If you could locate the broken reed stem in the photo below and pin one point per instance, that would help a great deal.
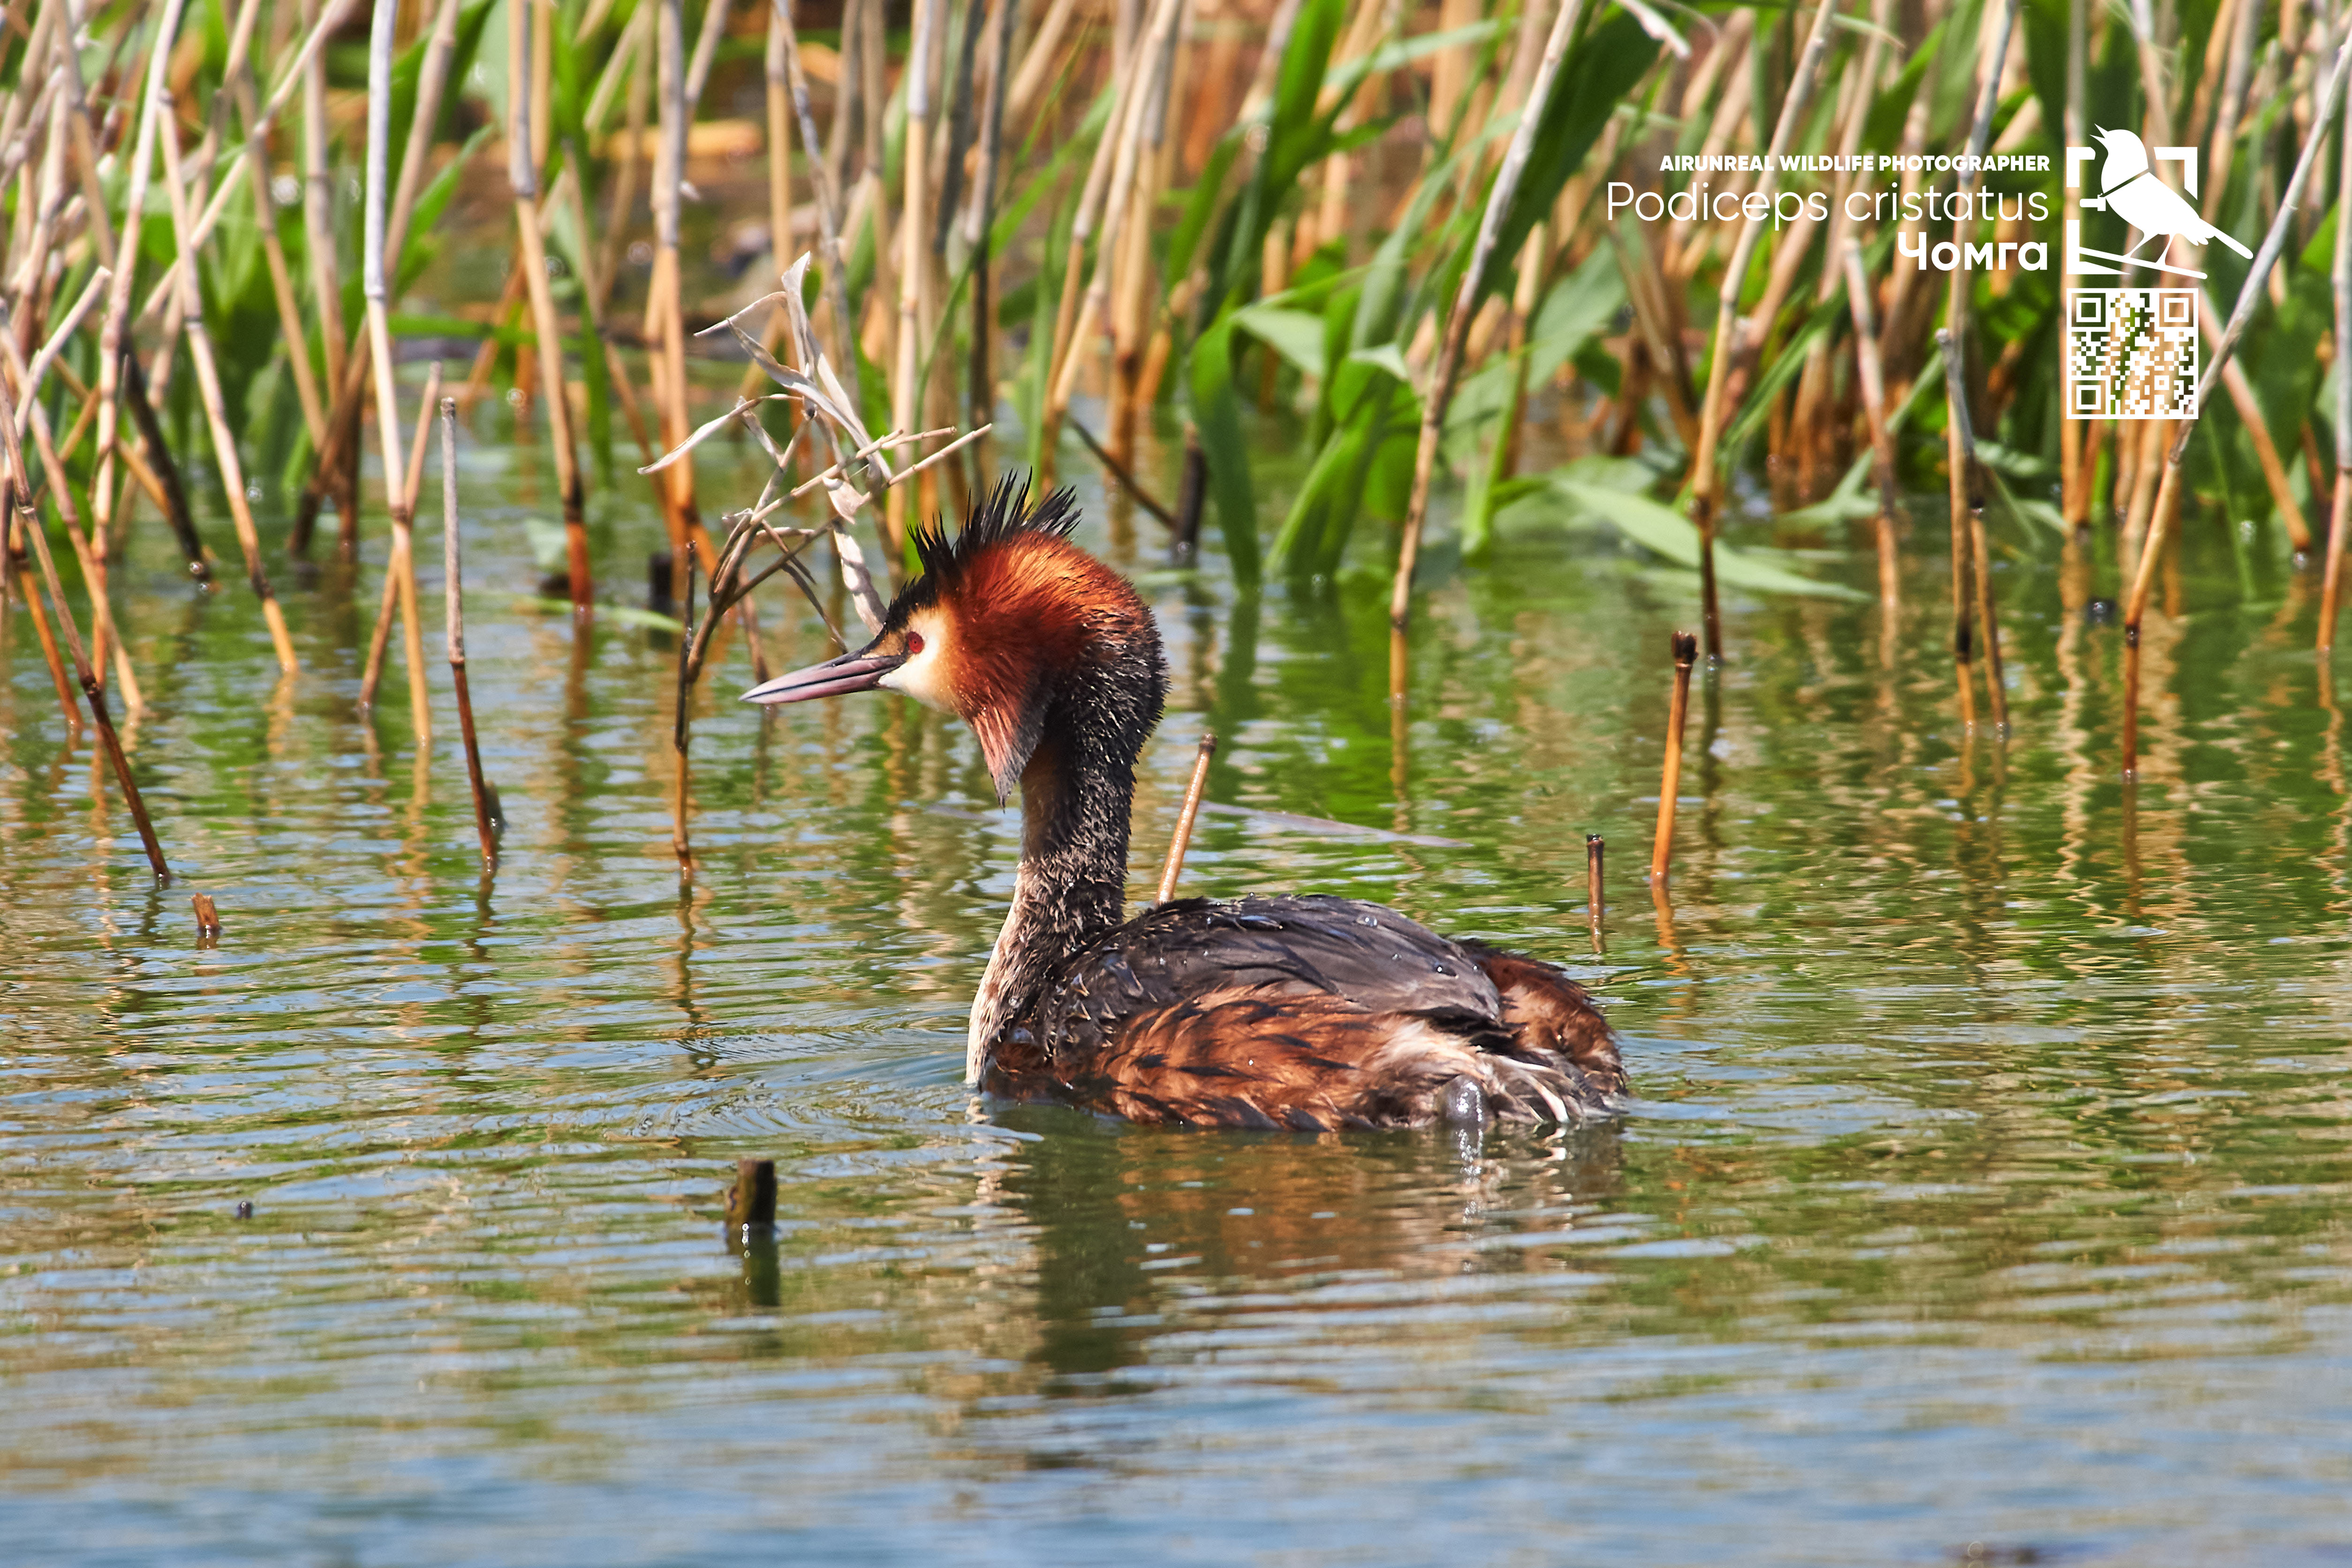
(1882, 437)
(165, 470)
(1661, 847)
(1969, 536)
(208, 388)
(453, 590)
(2168, 493)
(1595, 850)
(1727, 344)
(522, 175)
(1465, 304)
(679, 841)
(208, 924)
(20, 479)
(1118, 471)
(1183, 839)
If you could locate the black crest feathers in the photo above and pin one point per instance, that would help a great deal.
(1006, 514)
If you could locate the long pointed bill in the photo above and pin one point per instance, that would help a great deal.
(850, 672)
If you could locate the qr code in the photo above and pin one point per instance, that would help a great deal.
(2131, 354)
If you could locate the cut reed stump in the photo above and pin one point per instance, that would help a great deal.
(1183, 839)
(751, 1201)
(208, 925)
(1661, 847)
(1595, 848)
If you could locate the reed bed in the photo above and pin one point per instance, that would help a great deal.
(1155, 237)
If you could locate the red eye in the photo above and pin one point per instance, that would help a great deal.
(914, 644)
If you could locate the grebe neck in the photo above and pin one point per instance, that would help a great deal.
(1076, 803)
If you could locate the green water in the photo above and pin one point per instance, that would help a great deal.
(1984, 1192)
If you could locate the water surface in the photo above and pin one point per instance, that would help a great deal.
(1984, 1193)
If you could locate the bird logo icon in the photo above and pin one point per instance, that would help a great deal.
(2129, 188)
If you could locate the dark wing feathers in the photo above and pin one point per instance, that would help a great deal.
(1306, 1014)
(1368, 955)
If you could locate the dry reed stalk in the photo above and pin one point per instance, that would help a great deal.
(1091, 200)
(92, 692)
(1669, 778)
(2266, 452)
(1882, 438)
(112, 332)
(1126, 129)
(400, 502)
(2340, 519)
(624, 183)
(2074, 477)
(1962, 451)
(296, 336)
(915, 159)
(453, 591)
(56, 662)
(1132, 277)
(166, 287)
(103, 636)
(981, 393)
(1039, 61)
(522, 177)
(337, 464)
(2225, 21)
(1174, 865)
(2257, 277)
(1727, 345)
(679, 841)
(1465, 304)
(318, 211)
(161, 479)
(208, 930)
(828, 203)
(664, 322)
(208, 388)
(388, 603)
(2233, 96)
(1595, 851)
(1959, 448)
(780, 185)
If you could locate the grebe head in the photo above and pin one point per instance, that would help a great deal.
(1015, 630)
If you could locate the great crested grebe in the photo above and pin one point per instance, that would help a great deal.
(1270, 1012)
